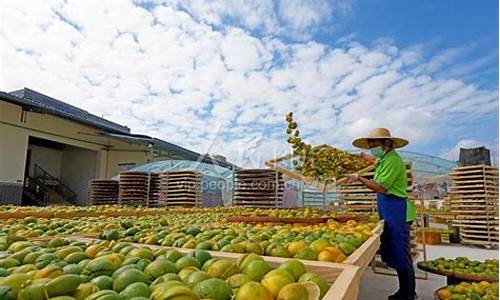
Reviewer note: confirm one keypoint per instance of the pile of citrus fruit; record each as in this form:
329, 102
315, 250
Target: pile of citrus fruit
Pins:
464, 266
329, 242
11, 211
322, 162
479, 290
110, 270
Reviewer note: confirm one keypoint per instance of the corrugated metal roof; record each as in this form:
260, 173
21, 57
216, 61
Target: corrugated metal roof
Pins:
172, 148
46, 104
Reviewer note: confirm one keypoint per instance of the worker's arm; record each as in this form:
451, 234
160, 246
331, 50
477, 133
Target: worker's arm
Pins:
372, 185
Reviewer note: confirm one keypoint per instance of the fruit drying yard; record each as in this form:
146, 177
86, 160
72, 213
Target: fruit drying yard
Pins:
113, 252
172, 252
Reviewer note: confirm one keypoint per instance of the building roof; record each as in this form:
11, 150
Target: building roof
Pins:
38, 102
176, 151
34, 100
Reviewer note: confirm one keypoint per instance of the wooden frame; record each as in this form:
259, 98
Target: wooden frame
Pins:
102, 192
262, 188
181, 188
346, 278
364, 255
473, 199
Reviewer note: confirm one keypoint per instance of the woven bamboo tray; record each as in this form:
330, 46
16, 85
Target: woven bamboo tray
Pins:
321, 186
463, 277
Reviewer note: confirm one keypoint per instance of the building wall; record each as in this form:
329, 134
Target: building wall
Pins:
79, 166
48, 159
16, 127
116, 157
12, 160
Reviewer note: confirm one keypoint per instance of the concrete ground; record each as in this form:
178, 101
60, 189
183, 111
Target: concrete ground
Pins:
378, 287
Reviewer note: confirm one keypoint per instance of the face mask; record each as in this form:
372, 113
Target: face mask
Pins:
377, 151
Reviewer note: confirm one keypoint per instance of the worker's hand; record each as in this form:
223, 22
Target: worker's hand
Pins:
352, 177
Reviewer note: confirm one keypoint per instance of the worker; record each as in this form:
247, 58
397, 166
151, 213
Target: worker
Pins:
390, 184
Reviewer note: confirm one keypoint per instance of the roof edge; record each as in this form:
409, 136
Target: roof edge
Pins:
27, 97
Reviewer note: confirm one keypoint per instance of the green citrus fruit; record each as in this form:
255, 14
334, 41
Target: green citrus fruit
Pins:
244, 260
294, 267
103, 282
306, 253
252, 291
222, 269
320, 281
238, 280
128, 277
136, 289
201, 256
275, 280
173, 255
213, 288
256, 269
187, 261
196, 277
158, 268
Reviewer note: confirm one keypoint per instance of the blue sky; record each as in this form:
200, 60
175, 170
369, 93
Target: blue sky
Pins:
436, 24
218, 76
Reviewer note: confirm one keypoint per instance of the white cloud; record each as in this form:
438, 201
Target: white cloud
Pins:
171, 73
299, 15
296, 19
453, 153
242, 52
445, 57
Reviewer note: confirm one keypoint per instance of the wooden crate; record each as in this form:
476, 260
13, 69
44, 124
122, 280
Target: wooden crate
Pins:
181, 188
258, 188
363, 256
103, 192
346, 278
133, 188
429, 237
473, 199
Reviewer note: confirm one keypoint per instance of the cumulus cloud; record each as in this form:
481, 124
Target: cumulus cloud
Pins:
453, 153
164, 70
296, 19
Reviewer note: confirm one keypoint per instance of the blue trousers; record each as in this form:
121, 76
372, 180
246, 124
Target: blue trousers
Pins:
395, 247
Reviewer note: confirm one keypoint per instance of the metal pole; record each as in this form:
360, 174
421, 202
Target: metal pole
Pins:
324, 200
234, 185
150, 159
276, 189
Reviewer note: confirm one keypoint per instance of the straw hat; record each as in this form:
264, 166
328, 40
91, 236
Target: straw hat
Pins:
379, 133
